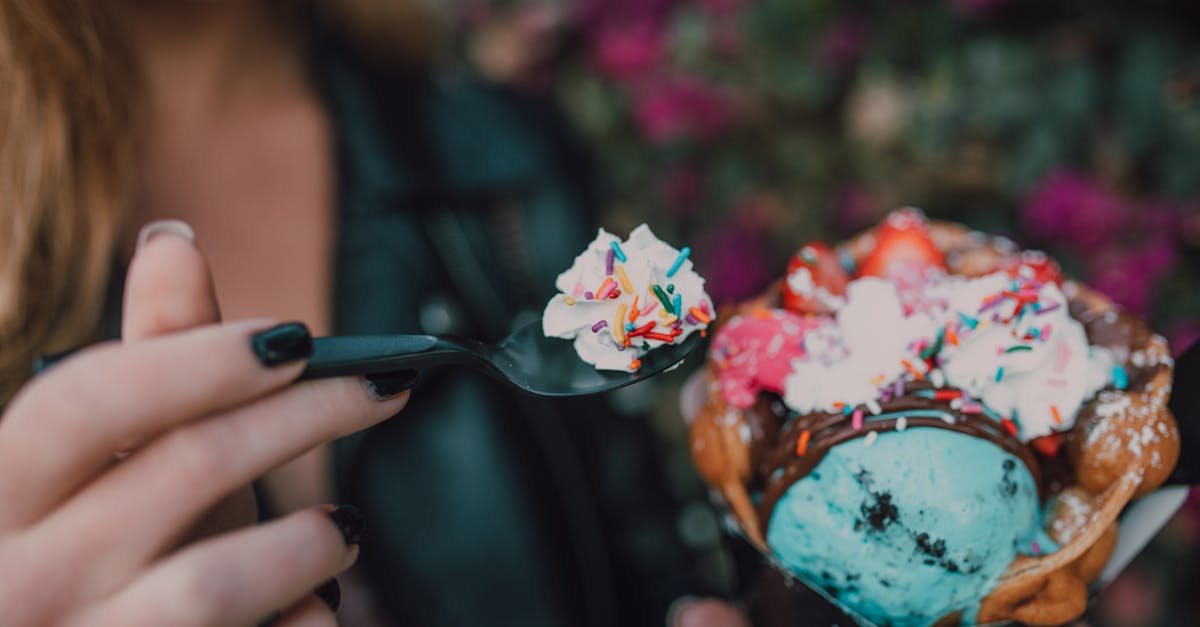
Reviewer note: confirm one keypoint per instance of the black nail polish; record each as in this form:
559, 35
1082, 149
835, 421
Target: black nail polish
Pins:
283, 343
385, 385
350, 521
331, 593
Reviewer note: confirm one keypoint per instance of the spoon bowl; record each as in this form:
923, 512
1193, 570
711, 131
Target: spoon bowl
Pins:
526, 360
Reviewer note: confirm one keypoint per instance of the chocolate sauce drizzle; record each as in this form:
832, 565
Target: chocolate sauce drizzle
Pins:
774, 451
782, 467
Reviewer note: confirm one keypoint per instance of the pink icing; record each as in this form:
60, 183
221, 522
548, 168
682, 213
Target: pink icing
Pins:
754, 352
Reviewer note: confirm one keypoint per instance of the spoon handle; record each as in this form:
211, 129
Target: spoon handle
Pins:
368, 354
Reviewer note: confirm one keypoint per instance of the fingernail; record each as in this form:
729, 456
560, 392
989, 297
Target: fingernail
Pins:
174, 228
677, 610
282, 343
385, 385
331, 593
350, 521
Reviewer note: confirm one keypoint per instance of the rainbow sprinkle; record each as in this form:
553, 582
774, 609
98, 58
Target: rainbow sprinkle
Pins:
917, 374
1120, 377
1045, 310
642, 330
856, 421
662, 297
599, 325
608, 262
1055, 415
802, 443
618, 328
699, 315
606, 288
624, 278
616, 248
683, 255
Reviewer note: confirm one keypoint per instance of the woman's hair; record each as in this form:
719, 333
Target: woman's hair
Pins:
69, 100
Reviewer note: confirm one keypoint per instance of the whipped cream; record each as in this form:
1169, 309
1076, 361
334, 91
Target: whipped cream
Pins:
1012, 345
1035, 368
621, 299
864, 349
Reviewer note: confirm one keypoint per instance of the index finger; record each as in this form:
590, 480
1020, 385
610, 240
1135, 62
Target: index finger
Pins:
62, 428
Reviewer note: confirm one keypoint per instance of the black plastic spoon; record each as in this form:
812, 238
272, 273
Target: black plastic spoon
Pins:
526, 359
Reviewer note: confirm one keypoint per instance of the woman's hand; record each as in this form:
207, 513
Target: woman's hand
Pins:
89, 537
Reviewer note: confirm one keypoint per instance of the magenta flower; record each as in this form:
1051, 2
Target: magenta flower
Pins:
1130, 276
734, 259
1070, 208
592, 16
681, 107
628, 52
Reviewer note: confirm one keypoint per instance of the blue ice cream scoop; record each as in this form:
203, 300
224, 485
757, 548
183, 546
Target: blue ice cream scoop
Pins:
914, 526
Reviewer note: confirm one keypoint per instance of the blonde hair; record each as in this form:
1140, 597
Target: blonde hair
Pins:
69, 93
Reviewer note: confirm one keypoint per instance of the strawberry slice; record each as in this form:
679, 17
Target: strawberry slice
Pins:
902, 246
816, 282
1035, 265
1047, 445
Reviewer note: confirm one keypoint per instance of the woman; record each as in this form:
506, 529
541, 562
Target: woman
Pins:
327, 180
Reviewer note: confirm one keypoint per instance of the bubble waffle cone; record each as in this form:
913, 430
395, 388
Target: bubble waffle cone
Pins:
1122, 445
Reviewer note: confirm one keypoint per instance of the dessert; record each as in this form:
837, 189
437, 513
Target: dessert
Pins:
621, 299
935, 427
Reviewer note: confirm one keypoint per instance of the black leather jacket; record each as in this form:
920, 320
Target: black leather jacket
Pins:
458, 204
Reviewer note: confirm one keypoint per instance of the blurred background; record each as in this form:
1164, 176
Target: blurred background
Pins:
744, 128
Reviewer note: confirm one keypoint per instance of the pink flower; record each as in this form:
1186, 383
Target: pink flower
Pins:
681, 107
590, 16
628, 52
843, 42
1070, 208
735, 261
1130, 276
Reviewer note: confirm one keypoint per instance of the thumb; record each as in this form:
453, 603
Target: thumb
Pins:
169, 287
